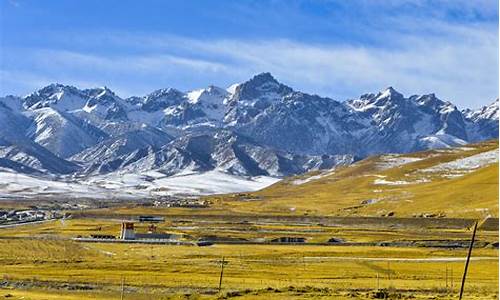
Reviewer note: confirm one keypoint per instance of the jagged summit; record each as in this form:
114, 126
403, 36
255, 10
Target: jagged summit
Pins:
390, 92
264, 77
263, 85
259, 126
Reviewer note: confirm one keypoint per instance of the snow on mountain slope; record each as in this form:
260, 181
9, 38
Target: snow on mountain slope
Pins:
65, 98
18, 148
399, 124
183, 184
61, 133
465, 165
7, 164
482, 123
251, 98
119, 151
440, 141
486, 112
127, 186
304, 124
22, 186
101, 102
393, 161
210, 101
400, 188
259, 127
213, 182
235, 154
173, 110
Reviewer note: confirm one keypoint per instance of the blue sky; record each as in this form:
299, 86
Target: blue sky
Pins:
339, 49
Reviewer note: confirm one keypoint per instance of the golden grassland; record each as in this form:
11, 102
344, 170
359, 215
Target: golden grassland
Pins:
198, 228
191, 269
51, 266
473, 195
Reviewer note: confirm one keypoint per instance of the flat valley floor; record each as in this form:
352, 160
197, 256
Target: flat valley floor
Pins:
394, 258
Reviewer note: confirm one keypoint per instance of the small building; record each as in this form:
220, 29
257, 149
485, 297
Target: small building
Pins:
127, 231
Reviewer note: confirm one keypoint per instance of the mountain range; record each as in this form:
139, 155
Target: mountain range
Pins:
260, 127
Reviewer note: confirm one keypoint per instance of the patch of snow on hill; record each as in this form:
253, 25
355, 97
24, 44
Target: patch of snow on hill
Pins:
212, 182
465, 165
185, 183
311, 178
133, 186
14, 185
399, 182
441, 141
393, 161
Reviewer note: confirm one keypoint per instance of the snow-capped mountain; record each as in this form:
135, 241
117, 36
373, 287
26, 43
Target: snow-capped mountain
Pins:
62, 133
260, 127
482, 123
21, 153
119, 151
399, 124
232, 153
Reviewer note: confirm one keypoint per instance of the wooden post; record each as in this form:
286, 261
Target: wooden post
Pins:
378, 282
467, 261
446, 278
389, 272
221, 274
123, 288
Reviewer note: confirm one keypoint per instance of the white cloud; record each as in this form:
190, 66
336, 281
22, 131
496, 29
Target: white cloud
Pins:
458, 63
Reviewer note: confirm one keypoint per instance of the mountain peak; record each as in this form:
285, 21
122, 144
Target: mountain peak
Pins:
262, 80
489, 111
162, 98
49, 94
211, 93
261, 85
53, 88
389, 92
264, 76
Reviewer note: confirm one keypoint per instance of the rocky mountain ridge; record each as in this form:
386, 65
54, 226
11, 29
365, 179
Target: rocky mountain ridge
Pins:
260, 127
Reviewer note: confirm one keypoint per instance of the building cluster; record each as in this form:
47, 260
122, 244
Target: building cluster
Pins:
128, 233
30, 215
190, 203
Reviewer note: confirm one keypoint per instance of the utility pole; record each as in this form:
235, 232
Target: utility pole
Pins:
221, 274
451, 277
467, 261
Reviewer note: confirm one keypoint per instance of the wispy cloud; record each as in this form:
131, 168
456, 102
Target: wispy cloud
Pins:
459, 62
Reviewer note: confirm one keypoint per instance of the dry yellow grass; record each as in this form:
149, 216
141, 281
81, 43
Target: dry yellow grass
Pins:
50, 266
173, 269
473, 195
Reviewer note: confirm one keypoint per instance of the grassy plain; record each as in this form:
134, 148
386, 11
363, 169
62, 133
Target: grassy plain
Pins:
172, 270
39, 262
